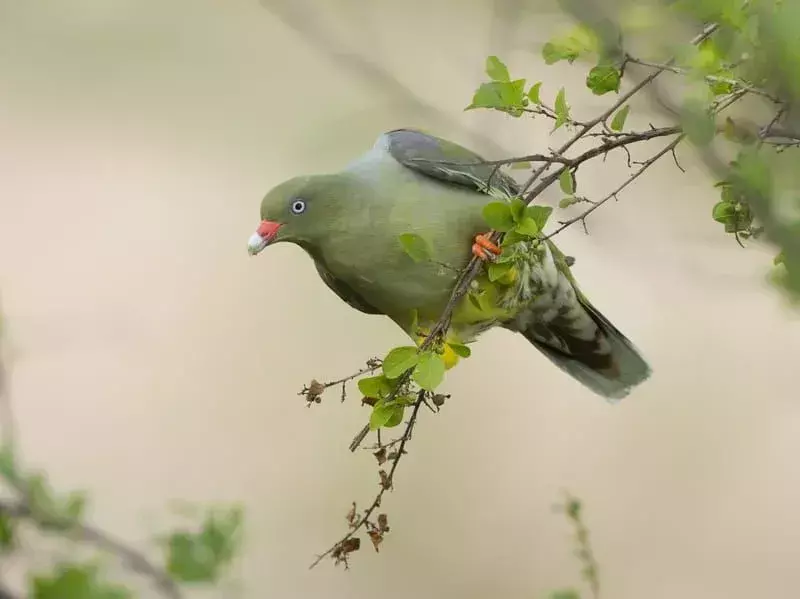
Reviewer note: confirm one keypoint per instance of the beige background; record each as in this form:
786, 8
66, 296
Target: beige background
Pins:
152, 359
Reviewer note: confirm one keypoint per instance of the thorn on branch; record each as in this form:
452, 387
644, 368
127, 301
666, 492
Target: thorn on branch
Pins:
678, 164
628, 155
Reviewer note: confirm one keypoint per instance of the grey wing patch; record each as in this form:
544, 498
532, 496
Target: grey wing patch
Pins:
345, 292
447, 162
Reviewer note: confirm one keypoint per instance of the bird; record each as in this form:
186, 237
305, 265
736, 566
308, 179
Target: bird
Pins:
350, 223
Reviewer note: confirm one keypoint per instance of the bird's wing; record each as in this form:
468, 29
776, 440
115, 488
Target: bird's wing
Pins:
344, 291
447, 162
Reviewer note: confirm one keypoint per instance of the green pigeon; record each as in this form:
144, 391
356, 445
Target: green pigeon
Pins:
350, 223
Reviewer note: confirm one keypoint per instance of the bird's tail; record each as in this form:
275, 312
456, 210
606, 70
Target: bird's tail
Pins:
606, 361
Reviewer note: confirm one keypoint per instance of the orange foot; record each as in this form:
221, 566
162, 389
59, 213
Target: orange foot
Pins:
485, 249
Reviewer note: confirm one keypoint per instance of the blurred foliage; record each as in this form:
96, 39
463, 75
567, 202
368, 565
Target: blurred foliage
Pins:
29, 505
752, 54
199, 556
728, 51
732, 51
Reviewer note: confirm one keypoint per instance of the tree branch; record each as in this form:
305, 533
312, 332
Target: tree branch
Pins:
735, 83
338, 549
314, 390
474, 266
22, 508
646, 165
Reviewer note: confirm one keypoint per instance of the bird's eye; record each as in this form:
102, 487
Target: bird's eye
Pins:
298, 207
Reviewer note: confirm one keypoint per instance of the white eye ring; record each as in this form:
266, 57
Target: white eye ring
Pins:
298, 207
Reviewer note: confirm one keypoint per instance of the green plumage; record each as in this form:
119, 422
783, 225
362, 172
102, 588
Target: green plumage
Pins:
350, 222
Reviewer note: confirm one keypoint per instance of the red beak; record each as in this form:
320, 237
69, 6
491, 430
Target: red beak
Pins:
263, 236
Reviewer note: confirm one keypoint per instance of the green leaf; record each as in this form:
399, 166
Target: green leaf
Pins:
415, 246
500, 95
603, 78
75, 506
533, 92
396, 417
74, 580
509, 239
199, 557
400, 359
580, 41
480, 300
720, 88
723, 212
497, 270
528, 227
565, 594
698, 122
562, 109
568, 201
460, 349
753, 173
498, 216
540, 214
496, 69
7, 532
405, 400
707, 58
566, 180
8, 464
375, 386
429, 373
518, 166
517, 209
386, 415
618, 122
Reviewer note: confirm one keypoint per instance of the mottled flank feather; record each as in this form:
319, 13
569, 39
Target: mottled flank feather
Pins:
574, 335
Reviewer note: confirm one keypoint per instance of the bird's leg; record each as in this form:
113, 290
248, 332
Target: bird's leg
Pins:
485, 249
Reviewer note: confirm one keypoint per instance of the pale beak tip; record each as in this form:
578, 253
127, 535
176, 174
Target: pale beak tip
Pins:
255, 244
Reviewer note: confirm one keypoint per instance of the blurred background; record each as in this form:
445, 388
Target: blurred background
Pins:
151, 359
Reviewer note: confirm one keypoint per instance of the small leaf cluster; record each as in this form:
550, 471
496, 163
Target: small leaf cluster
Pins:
517, 220
53, 513
733, 212
581, 42
503, 93
747, 49
406, 371
202, 555
77, 580
191, 557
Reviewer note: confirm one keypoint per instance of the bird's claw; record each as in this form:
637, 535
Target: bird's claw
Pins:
485, 249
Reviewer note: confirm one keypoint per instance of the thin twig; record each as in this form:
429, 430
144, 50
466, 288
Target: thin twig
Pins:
647, 164
475, 264
609, 144
133, 559
372, 365
735, 83
384, 485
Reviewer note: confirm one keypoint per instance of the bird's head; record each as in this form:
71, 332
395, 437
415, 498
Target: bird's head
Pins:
295, 211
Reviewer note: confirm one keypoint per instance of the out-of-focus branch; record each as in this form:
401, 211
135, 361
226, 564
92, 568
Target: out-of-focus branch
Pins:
737, 84
305, 20
22, 508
